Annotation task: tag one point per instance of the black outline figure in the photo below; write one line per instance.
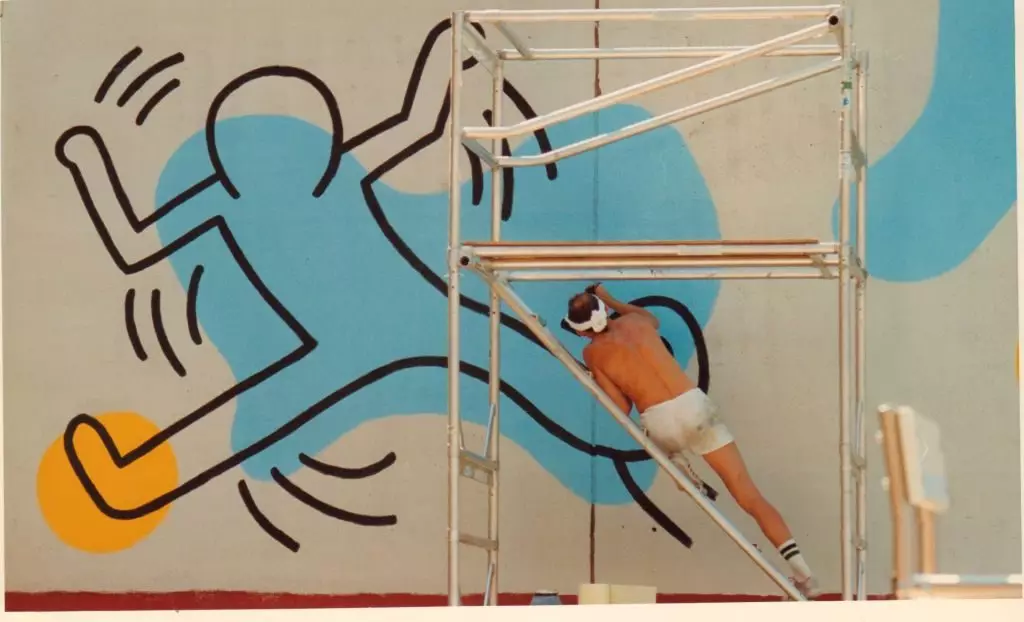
(307, 342)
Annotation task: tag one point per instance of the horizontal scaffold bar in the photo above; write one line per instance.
(639, 15)
(668, 259)
(647, 248)
(692, 51)
(664, 274)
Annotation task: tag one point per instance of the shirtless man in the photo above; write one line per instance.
(631, 364)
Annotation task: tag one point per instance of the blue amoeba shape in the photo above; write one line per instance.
(331, 266)
(937, 195)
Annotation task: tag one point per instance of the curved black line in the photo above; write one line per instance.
(476, 174)
(280, 71)
(508, 185)
(190, 308)
(161, 334)
(116, 71)
(157, 97)
(528, 112)
(508, 176)
(649, 507)
(144, 77)
(129, 322)
(365, 520)
(261, 519)
(348, 472)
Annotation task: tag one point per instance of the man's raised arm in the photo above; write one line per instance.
(622, 308)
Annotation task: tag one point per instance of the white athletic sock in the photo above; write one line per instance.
(791, 553)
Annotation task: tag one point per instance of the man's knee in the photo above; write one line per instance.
(748, 498)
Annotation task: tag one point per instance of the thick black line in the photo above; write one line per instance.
(261, 519)
(329, 510)
(157, 97)
(476, 174)
(337, 135)
(161, 334)
(129, 322)
(348, 472)
(116, 71)
(508, 177)
(649, 507)
(145, 76)
(190, 308)
(528, 112)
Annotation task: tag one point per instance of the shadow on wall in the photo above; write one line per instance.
(319, 284)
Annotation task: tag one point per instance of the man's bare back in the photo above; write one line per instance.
(631, 354)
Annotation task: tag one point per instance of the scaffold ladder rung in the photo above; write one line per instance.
(479, 542)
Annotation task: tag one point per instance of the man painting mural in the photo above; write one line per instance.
(631, 364)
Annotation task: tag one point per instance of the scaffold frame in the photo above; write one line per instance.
(499, 263)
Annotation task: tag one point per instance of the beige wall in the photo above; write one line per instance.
(941, 325)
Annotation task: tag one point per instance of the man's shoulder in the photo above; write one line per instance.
(592, 353)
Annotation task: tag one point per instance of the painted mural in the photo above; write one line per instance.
(320, 286)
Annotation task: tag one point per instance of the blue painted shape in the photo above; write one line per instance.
(329, 264)
(935, 197)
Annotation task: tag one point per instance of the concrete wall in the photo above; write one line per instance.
(258, 315)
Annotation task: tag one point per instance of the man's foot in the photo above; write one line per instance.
(808, 587)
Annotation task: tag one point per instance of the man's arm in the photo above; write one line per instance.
(608, 386)
(623, 308)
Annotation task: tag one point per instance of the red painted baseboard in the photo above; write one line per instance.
(143, 601)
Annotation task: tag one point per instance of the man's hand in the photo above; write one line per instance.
(597, 289)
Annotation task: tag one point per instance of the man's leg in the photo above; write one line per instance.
(728, 464)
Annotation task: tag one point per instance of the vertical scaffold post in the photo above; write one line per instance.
(861, 341)
(494, 378)
(454, 242)
(845, 166)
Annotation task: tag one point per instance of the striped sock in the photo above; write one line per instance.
(791, 553)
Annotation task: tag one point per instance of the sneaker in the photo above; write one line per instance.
(809, 587)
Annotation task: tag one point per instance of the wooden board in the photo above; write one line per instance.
(772, 242)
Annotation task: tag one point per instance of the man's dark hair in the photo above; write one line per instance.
(581, 306)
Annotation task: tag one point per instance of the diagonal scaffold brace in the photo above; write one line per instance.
(532, 321)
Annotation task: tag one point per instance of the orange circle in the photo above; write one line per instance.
(69, 511)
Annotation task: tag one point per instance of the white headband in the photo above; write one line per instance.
(597, 322)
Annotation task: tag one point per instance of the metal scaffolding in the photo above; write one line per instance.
(499, 263)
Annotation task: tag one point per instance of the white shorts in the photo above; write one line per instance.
(686, 423)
